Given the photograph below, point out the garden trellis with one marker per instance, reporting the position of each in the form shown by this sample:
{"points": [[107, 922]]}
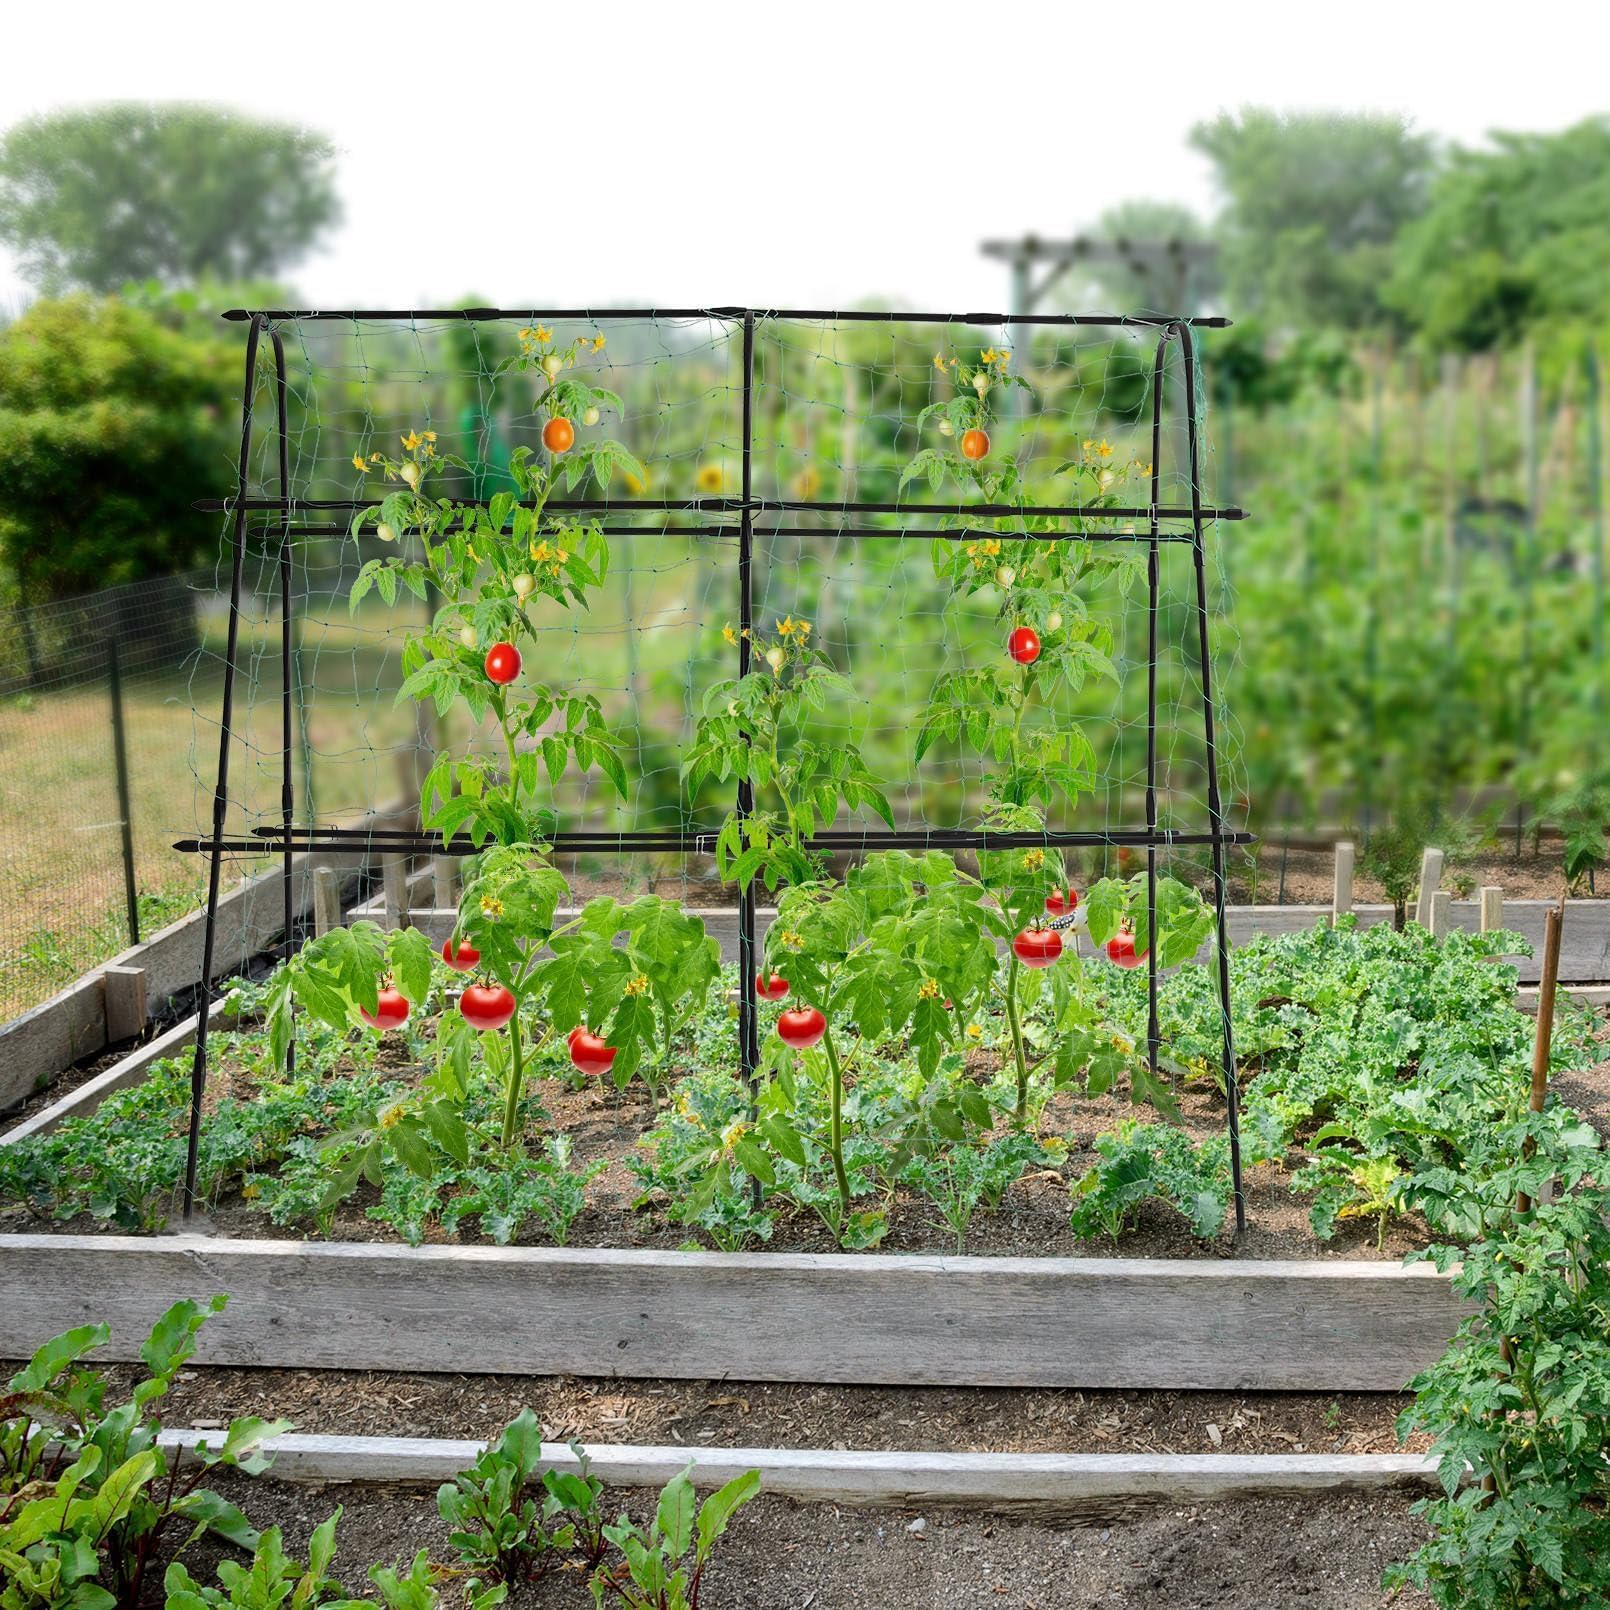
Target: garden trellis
{"points": [[752, 371]]}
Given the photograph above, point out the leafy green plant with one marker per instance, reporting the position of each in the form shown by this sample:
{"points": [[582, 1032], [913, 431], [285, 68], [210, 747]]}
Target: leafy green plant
{"points": [[271, 1580], [497, 1528], [1520, 1403], [664, 1563], [418, 1590], [1142, 1162], [90, 1506]]}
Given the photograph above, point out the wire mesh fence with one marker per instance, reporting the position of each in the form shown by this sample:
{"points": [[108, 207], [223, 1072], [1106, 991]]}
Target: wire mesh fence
{"points": [[108, 709]]}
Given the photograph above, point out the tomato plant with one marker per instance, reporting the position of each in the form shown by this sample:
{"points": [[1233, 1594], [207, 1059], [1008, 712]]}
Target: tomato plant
{"points": [[756, 729]]}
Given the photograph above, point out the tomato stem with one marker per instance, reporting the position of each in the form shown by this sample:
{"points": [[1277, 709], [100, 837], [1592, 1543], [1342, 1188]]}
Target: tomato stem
{"points": [[511, 1103], [835, 1143], [1014, 1023]]}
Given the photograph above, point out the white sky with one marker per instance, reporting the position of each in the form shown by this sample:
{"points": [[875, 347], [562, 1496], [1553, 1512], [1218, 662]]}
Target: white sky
{"points": [[776, 153]]}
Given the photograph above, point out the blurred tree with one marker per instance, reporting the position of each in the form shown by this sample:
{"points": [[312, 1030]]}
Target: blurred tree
{"points": [[1313, 204], [132, 191], [1154, 269], [1514, 235], [111, 422]]}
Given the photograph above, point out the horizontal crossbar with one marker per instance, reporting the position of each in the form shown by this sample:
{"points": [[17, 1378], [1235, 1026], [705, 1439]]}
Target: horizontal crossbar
{"points": [[481, 315], [341, 840]]}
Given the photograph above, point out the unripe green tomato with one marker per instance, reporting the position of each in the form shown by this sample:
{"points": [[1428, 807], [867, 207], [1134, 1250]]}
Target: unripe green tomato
{"points": [[589, 416], [1005, 575], [524, 586], [774, 658], [946, 428], [467, 636], [552, 365], [410, 473], [386, 533], [1053, 620]]}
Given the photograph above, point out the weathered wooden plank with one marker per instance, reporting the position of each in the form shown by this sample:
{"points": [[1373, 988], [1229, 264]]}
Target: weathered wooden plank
{"points": [[120, 1076], [1046, 1484], [71, 1025], [326, 900], [1430, 882], [1489, 908], [1342, 896], [875, 1319], [124, 989]]}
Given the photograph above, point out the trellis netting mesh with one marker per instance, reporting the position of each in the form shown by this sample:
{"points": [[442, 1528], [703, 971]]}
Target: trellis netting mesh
{"points": [[835, 404]]}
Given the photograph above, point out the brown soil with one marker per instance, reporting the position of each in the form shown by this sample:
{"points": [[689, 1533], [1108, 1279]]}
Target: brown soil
{"points": [[769, 1414], [1317, 1553], [1031, 1222]]}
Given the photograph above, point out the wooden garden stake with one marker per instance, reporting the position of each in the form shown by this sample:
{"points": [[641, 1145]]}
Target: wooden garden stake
{"points": [[1492, 908], [444, 870], [1553, 921], [1430, 880], [326, 899], [1441, 914], [394, 883], [1342, 900]]}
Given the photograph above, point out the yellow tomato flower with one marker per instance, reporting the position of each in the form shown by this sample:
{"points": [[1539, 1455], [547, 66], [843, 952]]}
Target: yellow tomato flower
{"points": [[391, 1117], [785, 628], [729, 636], [638, 985], [975, 1031], [359, 462], [544, 333], [929, 990], [1034, 859], [939, 362], [733, 1133], [710, 478], [491, 907], [598, 343], [412, 440], [791, 939], [806, 484]]}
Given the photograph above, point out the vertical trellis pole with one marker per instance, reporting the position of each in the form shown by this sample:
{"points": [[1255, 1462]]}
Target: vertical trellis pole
{"points": [[748, 1009], [220, 797], [287, 658], [1154, 1033], [1215, 803]]}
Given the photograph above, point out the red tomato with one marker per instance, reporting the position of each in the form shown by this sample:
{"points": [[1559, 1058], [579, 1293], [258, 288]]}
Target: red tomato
{"points": [[1038, 947], [589, 1053], [1121, 950], [771, 989], [801, 1027], [502, 663], [558, 434], [463, 959], [486, 1006], [1024, 645], [1062, 902], [975, 443], [391, 1011]]}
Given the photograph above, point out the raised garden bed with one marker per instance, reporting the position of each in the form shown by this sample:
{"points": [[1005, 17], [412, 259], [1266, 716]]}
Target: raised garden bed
{"points": [[754, 1316]]}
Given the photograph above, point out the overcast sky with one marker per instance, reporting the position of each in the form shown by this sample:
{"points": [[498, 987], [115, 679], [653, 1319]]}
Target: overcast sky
{"points": [[774, 152]]}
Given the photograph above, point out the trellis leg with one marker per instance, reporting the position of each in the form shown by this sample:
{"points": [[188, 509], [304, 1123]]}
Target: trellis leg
{"points": [[1232, 1095], [287, 780], [1154, 1033], [220, 798], [748, 1007]]}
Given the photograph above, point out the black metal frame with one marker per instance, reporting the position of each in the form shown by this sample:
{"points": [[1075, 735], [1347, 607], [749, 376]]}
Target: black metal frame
{"points": [[290, 841]]}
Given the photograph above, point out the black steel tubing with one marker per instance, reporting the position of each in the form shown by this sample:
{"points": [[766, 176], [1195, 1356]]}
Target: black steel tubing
{"points": [[220, 798], [1154, 1033], [748, 1005], [287, 784], [1232, 1096], [484, 315], [979, 511]]}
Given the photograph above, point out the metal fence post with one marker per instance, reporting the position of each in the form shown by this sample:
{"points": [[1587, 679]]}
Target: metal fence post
{"points": [[125, 810]]}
